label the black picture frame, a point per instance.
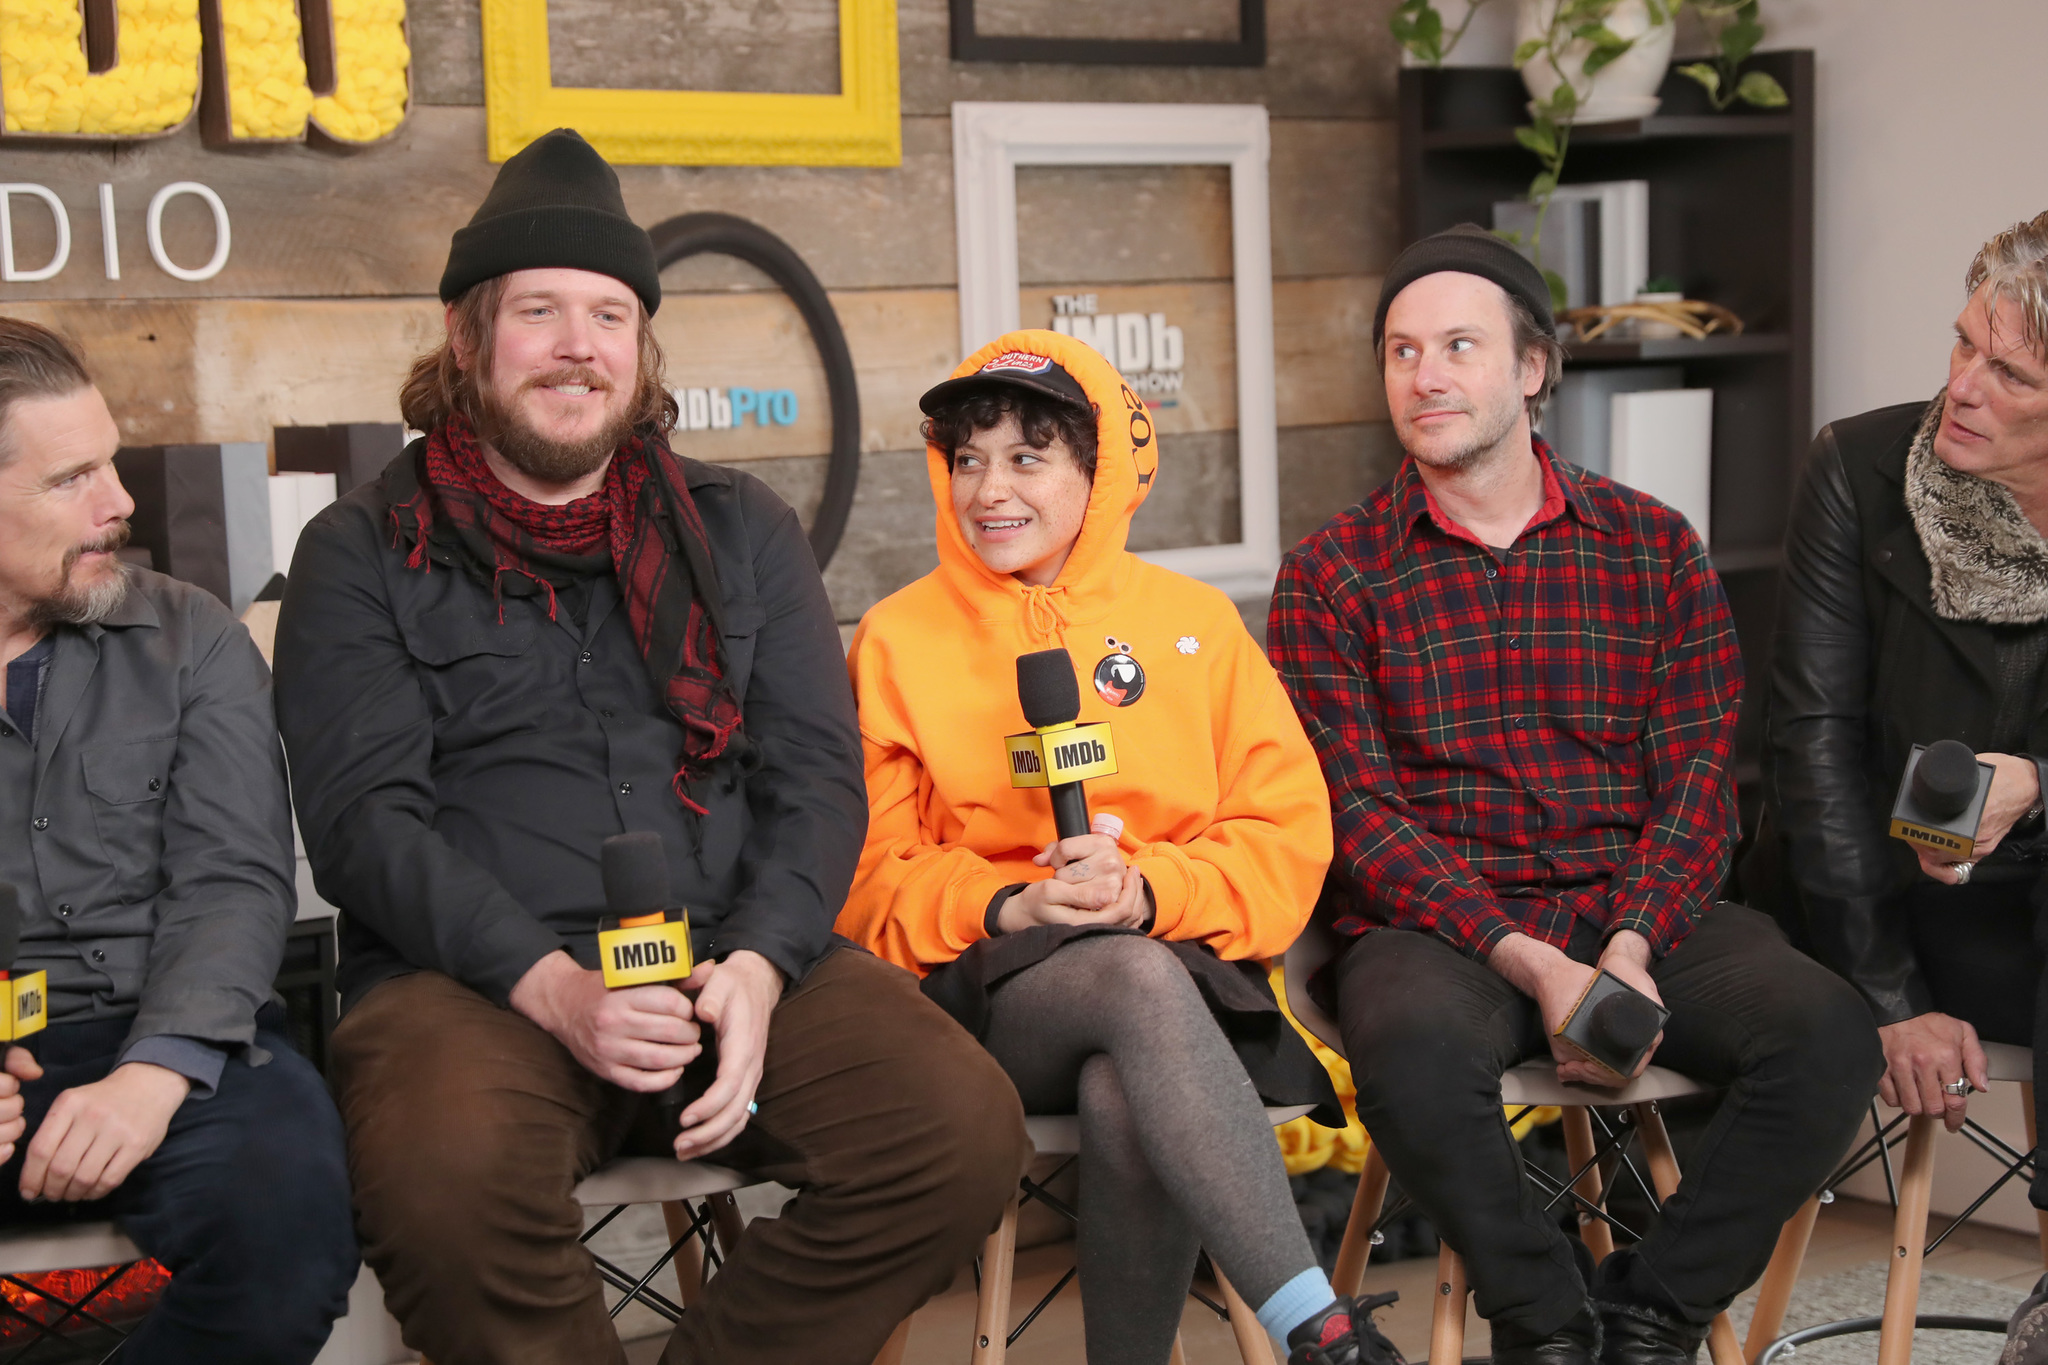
(1248, 50)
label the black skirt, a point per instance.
(1279, 1063)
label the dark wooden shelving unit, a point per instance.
(1731, 218)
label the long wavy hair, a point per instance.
(438, 386)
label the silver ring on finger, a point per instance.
(1960, 1086)
(1963, 871)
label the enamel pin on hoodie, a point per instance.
(1119, 678)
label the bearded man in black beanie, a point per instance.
(540, 628)
(1522, 681)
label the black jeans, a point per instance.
(245, 1202)
(1429, 1032)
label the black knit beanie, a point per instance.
(555, 204)
(1470, 250)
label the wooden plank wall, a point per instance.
(336, 258)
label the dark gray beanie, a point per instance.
(1470, 250)
(555, 204)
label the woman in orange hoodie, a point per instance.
(1113, 974)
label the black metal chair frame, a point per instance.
(49, 1331)
(641, 1290)
(1613, 1141)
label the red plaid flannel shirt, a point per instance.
(1515, 742)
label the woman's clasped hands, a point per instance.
(1090, 884)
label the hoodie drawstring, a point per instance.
(1041, 613)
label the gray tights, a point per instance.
(1176, 1152)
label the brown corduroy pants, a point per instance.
(469, 1125)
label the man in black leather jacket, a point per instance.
(1915, 609)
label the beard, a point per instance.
(1489, 430)
(541, 457)
(82, 604)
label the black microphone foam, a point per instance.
(1626, 1021)
(635, 873)
(10, 925)
(1945, 779)
(1047, 688)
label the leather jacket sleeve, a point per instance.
(1816, 764)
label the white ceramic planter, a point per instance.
(1625, 88)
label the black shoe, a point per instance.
(1634, 1334)
(1344, 1334)
(2026, 1336)
(1575, 1343)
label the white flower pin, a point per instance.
(1187, 644)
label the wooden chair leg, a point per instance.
(892, 1349)
(1578, 1150)
(1909, 1240)
(992, 1311)
(689, 1260)
(1774, 1291)
(1447, 1315)
(1356, 1248)
(1254, 1347)
(1722, 1346)
(2033, 1140)
(726, 1220)
(1179, 1356)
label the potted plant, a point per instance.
(1590, 61)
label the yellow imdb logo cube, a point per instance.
(1063, 754)
(646, 950)
(28, 1005)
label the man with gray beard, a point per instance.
(146, 837)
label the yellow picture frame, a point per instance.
(859, 126)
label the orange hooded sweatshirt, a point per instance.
(1224, 807)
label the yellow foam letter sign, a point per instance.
(45, 86)
(255, 72)
(369, 64)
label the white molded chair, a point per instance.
(1060, 1135)
(1531, 1084)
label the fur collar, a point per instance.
(1987, 561)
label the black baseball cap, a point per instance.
(1027, 370)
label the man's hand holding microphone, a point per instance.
(642, 1037)
(1954, 808)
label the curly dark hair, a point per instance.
(1041, 419)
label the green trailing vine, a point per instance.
(1736, 25)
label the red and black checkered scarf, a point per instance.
(642, 524)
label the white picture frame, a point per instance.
(991, 140)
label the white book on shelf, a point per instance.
(1624, 208)
(1662, 443)
(1578, 419)
(1571, 242)
(1596, 235)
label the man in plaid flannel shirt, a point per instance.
(1523, 682)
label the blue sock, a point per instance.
(1295, 1302)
